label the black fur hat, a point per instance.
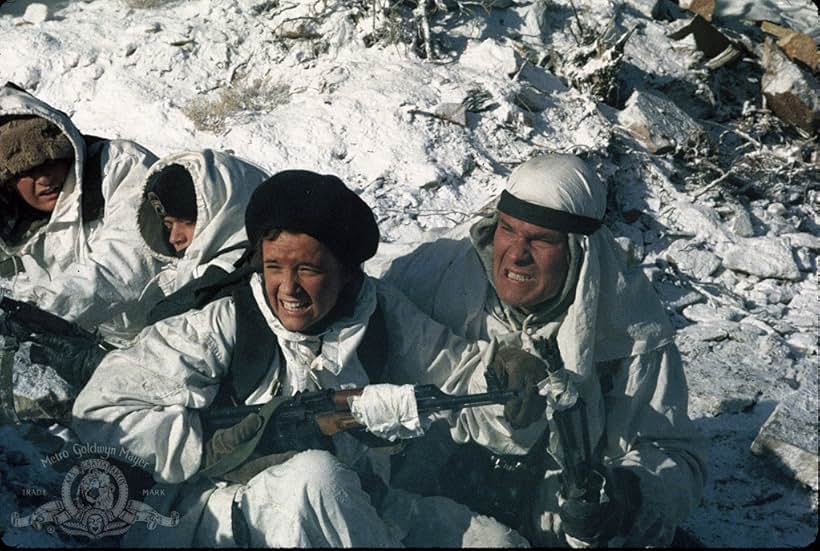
(318, 205)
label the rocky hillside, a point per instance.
(701, 115)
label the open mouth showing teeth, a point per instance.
(518, 277)
(293, 306)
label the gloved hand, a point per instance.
(512, 368)
(594, 520)
(225, 441)
(73, 358)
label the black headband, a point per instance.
(547, 217)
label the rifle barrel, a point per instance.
(429, 404)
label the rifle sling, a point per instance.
(243, 452)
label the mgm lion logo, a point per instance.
(94, 504)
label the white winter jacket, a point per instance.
(616, 329)
(88, 271)
(146, 398)
(223, 184)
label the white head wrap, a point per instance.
(559, 185)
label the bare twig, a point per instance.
(735, 131)
(424, 27)
(712, 184)
(578, 20)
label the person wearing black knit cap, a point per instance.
(170, 192)
(308, 319)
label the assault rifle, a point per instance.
(581, 480)
(25, 321)
(307, 419)
(72, 351)
(573, 433)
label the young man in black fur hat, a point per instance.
(308, 319)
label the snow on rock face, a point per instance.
(426, 144)
(762, 257)
(35, 13)
(657, 123)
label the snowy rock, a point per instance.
(776, 209)
(531, 100)
(802, 239)
(8, 349)
(453, 112)
(805, 342)
(677, 298)
(758, 324)
(693, 262)
(709, 331)
(730, 375)
(761, 256)
(707, 313)
(657, 122)
(804, 309)
(39, 392)
(741, 224)
(490, 55)
(771, 292)
(697, 220)
(36, 13)
(788, 438)
(792, 94)
(806, 261)
(801, 16)
(634, 255)
(544, 81)
(634, 236)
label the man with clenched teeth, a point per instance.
(69, 241)
(542, 268)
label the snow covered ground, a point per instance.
(334, 86)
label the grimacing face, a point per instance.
(40, 186)
(530, 263)
(303, 279)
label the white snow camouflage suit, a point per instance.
(87, 271)
(223, 185)
(146, 399)
(615, 327)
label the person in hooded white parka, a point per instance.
(542, 267)
(69, 241)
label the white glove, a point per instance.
(388, 411)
